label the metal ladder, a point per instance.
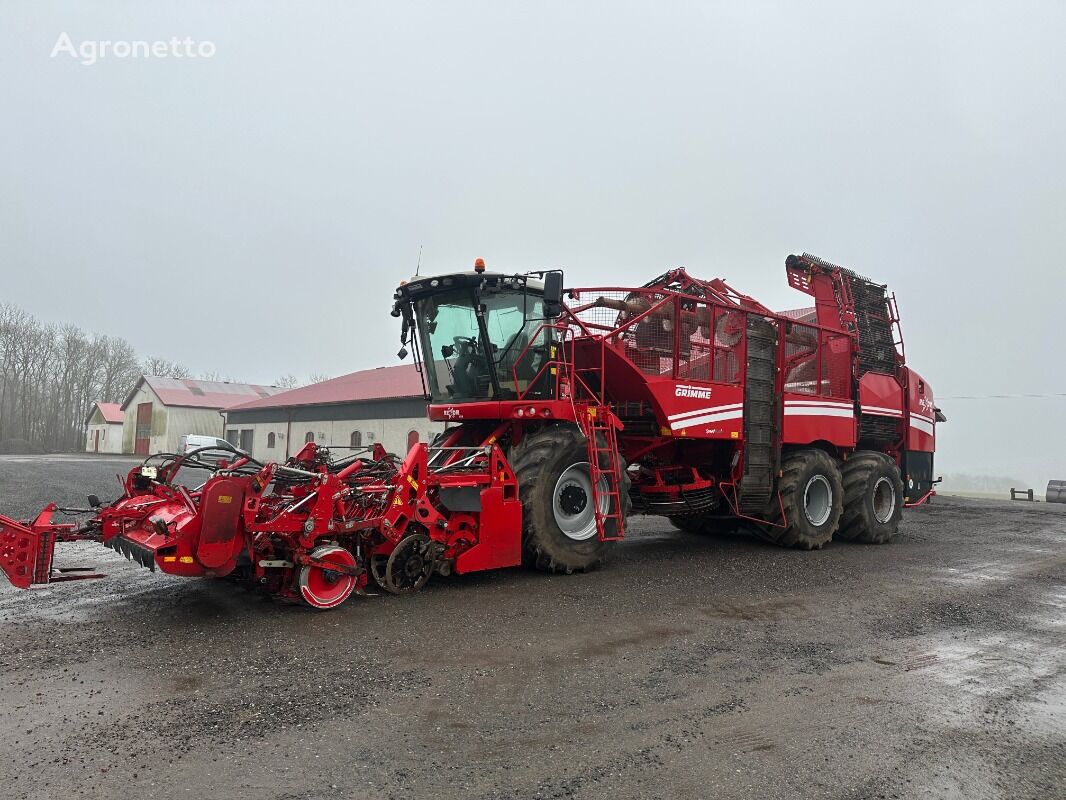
(602, 442)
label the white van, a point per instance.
(192, 441)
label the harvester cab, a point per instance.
(482, 336)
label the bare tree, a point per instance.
(214, 375)
(51, 375)
(162, 368)
(287, 381)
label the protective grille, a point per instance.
(639, 323)
(711, 343)
(817, 362)
(877, 348)
(835, 379)
(801, 359)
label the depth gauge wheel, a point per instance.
(410, 564)
(377, 569)
(326, 588)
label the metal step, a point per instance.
(604, 466)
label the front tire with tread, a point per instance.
(538, 461)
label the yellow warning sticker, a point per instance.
(412, 481)
(734, 435)
(225, 499)
(664, 431)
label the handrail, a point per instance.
(564, 329)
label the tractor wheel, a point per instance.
(813, 499)
(705, 526)
(873, 498)
(324, 588)
(558, 520)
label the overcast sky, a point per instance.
(292, 176)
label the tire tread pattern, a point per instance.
(854, 523)
(528, 460)
(793, 468)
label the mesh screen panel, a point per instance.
(801, 359)
(836, 365)
(642, 329)
(711, 343)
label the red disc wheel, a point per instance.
(326, 588)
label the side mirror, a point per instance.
(94, 501)
(403, 353)
(553, 294)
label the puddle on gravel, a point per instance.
(978, 573)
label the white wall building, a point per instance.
(383, 405)
(104, 428)
(158, 411)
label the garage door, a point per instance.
(142, 438)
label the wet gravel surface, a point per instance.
(689, 667)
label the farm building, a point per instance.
(103, 428)
(383, 405)
(158, 411)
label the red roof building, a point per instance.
(190, 393)
(384, 405)
(383, 383)
(109, 412)
(103, 428)
(158, 412)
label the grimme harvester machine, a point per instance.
(569, 410)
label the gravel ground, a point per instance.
(689, 667)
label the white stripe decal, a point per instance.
(922, 425)
(808, 411)
(826, 403)
(707, 410)
(922, 417)
(720, 417)
(884, 412)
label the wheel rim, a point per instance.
(818, 500)
(572, 502)
(326, 588)
(884, 499)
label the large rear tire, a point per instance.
(873, 498)
(812, 495)
(558, 520)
